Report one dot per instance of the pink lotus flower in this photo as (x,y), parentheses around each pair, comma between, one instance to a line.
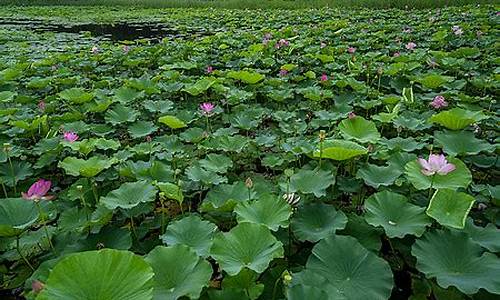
(41,105)
(351,115)
(210,69)
(322,45)
(94,50)
(126,49)
(38,191)
(323,77)
(411,46)
(283,72)
(351,50)
(207,107)
(436,163)
(439,102)
(70,136)
(282,43)
(396,54)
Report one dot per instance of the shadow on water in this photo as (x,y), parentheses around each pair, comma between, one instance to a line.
(113,32)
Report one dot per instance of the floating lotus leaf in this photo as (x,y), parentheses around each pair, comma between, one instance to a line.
(316,221)
(246,76)
(16,215)
(172,122)
(393,212)
(341,267)
(360,129)
(457,118)
(455,260)
(461,143)
(76,95)
(86,168)
(105,275)
(191,231)
(340,150)
(311,182)
(450,208)
(376,176)
(269,210)
(247,245)
(129,195)
(178,272)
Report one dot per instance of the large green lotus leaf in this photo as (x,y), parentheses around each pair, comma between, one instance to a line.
(76,95)
(224,197)
(125,94)
(121,114)
(246,76)
(393,212)
(340,150)
(344,269)
(141,129)
(269,210)
(191,231)
(246,280)
(457,118)
(172,122)
(450,208)
(11,173)
(367,235)
(376,176)
(109,237)
(7,96)
(129,195)
(311,182)
(171,191)
(179,271)
(458,178)
(196,173)
(199,86)
(461,143)
(105,275)
(246,245)
(216,163)
(433,81)
(360,129)
(455,260)
(301,292)
(316,221)
(86,168)
(16,214)
(488,236)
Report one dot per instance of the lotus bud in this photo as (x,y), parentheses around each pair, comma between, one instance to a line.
(37,286)
(287,277)
(322,135)
(249,183)
(288,172)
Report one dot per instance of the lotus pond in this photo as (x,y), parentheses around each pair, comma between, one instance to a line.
(263,154)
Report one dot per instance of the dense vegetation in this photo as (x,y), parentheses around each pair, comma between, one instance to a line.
(313,154)
(252,4)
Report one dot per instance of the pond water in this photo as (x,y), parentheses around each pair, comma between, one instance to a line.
(112,31)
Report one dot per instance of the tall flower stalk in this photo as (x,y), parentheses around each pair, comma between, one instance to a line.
(38,191)
(206,109)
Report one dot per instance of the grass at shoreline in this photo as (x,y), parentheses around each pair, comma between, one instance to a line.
(253,4)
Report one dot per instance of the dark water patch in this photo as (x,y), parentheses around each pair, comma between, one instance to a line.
(113,32)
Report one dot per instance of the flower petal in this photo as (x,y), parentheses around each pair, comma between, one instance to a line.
(447,168)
